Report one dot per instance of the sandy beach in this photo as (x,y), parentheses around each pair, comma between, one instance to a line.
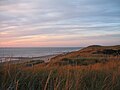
(46,58)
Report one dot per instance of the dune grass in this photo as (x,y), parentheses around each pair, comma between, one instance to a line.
(99,76)
(81,70)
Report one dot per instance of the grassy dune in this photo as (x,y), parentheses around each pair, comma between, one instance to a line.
(92,68)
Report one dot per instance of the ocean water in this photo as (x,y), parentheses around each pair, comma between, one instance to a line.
(35,51)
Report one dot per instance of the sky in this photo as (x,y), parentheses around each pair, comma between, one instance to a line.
(59,23)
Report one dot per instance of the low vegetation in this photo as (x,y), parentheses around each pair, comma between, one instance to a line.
(80,70)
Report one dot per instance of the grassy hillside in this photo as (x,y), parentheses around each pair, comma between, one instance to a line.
(94,52)
(92,68)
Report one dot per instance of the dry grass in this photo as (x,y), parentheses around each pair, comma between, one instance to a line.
(92,77)
(51,76)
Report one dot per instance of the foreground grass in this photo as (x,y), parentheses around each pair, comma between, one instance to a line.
(100,76)
(92,68)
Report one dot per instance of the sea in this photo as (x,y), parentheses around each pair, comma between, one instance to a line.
(35,51)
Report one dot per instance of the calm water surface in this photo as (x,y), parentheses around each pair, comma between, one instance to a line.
(35,51)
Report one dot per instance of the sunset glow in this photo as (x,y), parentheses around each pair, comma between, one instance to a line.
(56,23)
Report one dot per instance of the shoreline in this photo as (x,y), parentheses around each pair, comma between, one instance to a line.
(45,58)
(19,59)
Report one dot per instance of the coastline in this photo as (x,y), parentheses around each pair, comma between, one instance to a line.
(45,58)
(95,62)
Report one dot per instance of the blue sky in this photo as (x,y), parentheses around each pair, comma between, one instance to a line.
(59,22)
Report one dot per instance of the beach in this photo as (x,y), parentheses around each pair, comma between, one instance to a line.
(46,58)
(18,55)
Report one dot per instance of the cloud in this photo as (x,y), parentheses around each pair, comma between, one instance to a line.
(65,20)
